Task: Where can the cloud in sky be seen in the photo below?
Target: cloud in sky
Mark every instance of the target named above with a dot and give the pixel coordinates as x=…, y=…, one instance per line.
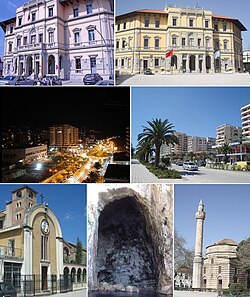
x=69, y=216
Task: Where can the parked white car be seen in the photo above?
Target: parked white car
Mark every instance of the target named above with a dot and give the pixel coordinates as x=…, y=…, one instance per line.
x=190, y=166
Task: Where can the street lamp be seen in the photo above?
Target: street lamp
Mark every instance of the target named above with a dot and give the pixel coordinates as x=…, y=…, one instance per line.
x=108, y=49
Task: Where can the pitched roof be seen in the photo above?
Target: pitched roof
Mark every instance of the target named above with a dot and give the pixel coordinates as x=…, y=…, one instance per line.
x=235, y=21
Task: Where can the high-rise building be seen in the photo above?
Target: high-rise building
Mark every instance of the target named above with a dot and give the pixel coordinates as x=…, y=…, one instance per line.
x=245, y=118
x=227, y=133
x=63, y=136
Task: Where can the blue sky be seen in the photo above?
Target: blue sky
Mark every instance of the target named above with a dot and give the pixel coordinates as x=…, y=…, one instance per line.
x=68, y=202
x=196, y=111
x=231, y=8
x=227, y=211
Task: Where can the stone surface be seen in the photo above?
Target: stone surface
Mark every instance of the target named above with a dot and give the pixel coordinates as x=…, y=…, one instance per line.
x=130, y=234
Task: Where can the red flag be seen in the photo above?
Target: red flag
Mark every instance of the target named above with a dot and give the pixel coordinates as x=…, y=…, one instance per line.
x=170, y=53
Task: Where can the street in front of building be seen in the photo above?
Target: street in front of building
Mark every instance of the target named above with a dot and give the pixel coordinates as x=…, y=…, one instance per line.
x=76, y=293
x=216, y=79
x=194, y=294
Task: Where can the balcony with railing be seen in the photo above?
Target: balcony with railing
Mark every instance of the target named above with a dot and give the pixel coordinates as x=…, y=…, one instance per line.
x=32, y=3
x=10, y=253
x=93, y=43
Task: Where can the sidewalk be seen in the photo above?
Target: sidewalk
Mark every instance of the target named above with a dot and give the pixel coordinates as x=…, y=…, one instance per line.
x=140, y=174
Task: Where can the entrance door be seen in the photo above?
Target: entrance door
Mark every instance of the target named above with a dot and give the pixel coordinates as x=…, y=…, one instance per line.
x=219, y=286
x=192, y=63
x=93, y=65
x=145, y=64
x=44, y=278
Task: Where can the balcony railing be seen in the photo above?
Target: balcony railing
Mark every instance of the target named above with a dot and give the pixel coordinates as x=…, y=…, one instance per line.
x=32, y=3
x=148, y=48
x=9, y=252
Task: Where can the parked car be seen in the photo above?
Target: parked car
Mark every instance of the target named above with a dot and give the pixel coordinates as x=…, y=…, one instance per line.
x=17, y=80
x=7, y=290
x=50, y=80
x=190, y=166
x=179, y=163
x=105, y=82
x=91, y=78
x=148, y=71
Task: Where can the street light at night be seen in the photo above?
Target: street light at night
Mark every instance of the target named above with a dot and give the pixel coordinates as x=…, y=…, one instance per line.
x=107, y=48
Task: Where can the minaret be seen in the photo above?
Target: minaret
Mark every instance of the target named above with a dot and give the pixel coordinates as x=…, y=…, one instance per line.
x=198, y=260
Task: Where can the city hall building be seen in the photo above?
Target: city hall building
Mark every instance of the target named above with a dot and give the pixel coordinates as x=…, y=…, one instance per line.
x=33, y=253
x=178, y=40
x=68, y=38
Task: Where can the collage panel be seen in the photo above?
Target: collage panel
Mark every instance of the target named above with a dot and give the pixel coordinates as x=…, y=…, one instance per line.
x=59, y=141
x=182, y=43
x=43, y=239
x=190, y=134
x=212, y=241
x=130, y=240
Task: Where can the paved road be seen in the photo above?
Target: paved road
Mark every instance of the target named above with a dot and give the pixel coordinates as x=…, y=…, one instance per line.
x=194, y=294
x=204, y=175
x=217, y=79
x=76, y=293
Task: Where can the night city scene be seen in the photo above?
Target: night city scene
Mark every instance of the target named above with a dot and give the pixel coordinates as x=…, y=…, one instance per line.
x=73, y=136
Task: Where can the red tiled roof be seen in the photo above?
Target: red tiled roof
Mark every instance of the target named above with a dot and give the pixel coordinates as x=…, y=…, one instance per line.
x=235, y=21
x=222, y=17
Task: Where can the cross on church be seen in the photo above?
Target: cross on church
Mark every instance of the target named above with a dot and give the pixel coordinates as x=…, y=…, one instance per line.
x=42, y=198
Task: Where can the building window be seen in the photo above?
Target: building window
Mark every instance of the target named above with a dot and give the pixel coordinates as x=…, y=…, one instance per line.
x=18, y=42
x=146, y=22
x=146, y=42
x=75, y=12
x=183, y=41
x=118, y=27
x=174, y=40
x=225, y=44
x=11, y=29
x=1, y=224
x=30, y=204
x=217, y=44
x=204, y=270
x=89, y=8
x=77, y=37
x=41, y=37
x=199, y=42
x=235, y=270
x=33, y=16
x=191, y=41
x=124, y=43
x=117, y=44
x=216, y=26
x=122, y=62
x=10, y=47
x=44, y=247
x=157, y=62
x=50, y=11
x=111, y=5
x=207, y=42
x=78, y=63
x=212, y=261
x=25, y=40
x=224, y=27
x=174, y=22
x=191, y=22
x=124, y=26
x=116, y=62
x=157, y=43
x=19, y=21
x=219, y=269
x=157, y=23
x=206, y=23
x=51, y=37
x=91, y=34
x=33, y=39
x=11, y=247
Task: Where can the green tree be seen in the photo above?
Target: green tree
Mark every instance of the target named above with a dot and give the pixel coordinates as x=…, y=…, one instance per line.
x=243, y=255
x=144, y=149
x=79, y=255
x=158, y=132
x=225, y=149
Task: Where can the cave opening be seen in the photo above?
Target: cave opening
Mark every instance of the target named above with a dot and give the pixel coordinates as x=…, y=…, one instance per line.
x=125, y=250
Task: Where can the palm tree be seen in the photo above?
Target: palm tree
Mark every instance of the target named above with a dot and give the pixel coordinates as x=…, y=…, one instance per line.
x=144, y=149
x=225, y=149
x=158, y=132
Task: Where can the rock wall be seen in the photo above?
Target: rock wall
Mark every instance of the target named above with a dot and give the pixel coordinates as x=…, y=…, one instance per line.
x=130, y=236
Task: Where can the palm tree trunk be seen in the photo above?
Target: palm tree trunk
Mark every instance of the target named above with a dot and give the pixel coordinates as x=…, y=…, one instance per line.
x=157, y=155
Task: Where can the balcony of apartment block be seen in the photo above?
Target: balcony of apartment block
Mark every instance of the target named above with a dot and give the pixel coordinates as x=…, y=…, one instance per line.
x=245, y=109
x=245, y=115
x=29, y=47
x=10, y=253
x=109, y=43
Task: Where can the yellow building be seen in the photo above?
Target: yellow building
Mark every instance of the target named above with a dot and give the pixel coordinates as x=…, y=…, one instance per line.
x=200, y=41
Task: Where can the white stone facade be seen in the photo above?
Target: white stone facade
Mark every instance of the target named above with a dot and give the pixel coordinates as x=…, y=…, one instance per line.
x=61, y=37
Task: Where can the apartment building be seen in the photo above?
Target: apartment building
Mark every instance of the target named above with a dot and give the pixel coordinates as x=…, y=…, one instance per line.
x=227, y=133
x=68, y=38
x=63, y=136
x=178, y=40
x=245, y=118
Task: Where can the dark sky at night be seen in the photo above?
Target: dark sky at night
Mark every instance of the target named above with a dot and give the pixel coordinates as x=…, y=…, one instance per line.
x=105, y=109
